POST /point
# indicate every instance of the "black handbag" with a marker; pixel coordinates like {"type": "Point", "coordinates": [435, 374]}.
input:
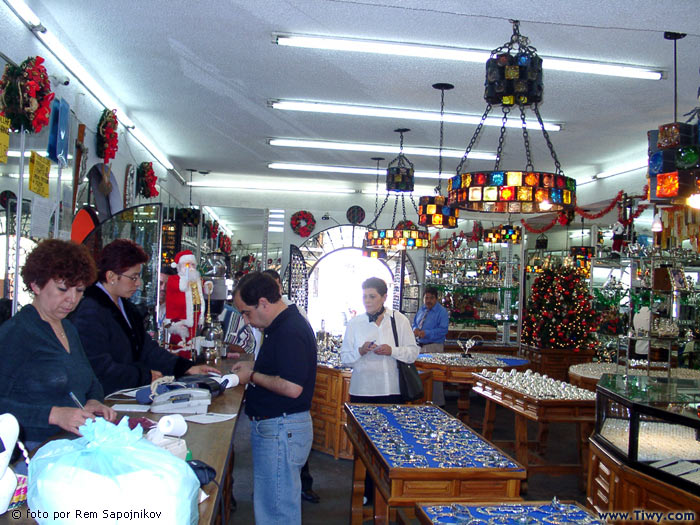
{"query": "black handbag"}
{"type": "Point", "coordinates": [409, 381]}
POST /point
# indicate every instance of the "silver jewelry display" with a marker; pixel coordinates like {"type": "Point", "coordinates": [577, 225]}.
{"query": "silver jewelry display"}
{"type": "Point", "coordinates": [538, 386]}
{"type": "Point", "coordinates": [423, 436]}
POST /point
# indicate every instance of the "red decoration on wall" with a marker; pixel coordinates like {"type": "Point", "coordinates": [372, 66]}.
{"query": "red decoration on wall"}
{"type": "Point", "coordinates": [107, 136]}
{"type": "Point", "coordinates": [302, 223]}
{"type": "Point", "coordinates": [25, 95]}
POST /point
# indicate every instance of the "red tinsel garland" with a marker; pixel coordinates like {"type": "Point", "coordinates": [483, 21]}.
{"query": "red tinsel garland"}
{"type": "Point", "coordinates": [630, 219]}
{"type": "Point", "coordinates": [539, 230]}
{"type": "Point", "coordinates": [604, 211]}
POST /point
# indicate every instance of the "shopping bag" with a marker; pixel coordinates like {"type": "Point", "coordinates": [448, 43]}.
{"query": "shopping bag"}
{"type": "Point", "coordinates": [111, 475]}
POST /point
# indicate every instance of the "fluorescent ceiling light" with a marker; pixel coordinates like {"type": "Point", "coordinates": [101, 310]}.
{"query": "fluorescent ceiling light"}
{"type": "Point", "coordinates": [275, 229]}
{"type": "Point", "coordinates": [276, 223]}
{"type": "Point", "coordinates": [270, 188]}
{"type": "Point", "coordinates": [622, 169]}
{"type": "Point", "coordinates": [28, 153]}
{"type": "Point", "coordinates": [277, 211]}
{"type": "Point", "coordinates": [348, 170]}
{"type": "Point", "coordinates": [618, 170]}
{"type": "Point", "coordinates": [459, 54]}
{"type": "Point", "coordinates": [54, 45]}
{"type": "Point", "coordinates": [378, 148]}
{"type": "Point", "coordinates": [396, 113]}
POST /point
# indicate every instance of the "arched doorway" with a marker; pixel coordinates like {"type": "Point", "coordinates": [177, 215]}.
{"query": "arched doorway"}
{"type": "Point", "coordinates": [335, 287]}
{"type": "Point", "coordinates": [335, 269]}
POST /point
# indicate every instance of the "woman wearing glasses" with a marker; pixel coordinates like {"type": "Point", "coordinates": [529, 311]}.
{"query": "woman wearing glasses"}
{"type": "Point", "coordinates": [112, 330]}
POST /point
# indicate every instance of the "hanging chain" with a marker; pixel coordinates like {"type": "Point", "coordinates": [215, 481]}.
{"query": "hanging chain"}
{"type": "Point", "coordinates": [526, 139]}
{"type": "Point", "coordinates": [479, 127]}
{"type": "Point", "coordinates": [376, 216]}
{"type": "Point", "coordinates": [393, 216]}
{"type": "Point", "coordinates": [376, 189]}
{"type": "Point", "coordinates": [414, 204]}
{"type": "Point", "coordinates": [501, 137]}
{"type": "Point", "coordinates": [403, 206]}
{"type": "Point", "coordinates": [557, 165]}
{"type": "Point", "coordinates": [438, 188]}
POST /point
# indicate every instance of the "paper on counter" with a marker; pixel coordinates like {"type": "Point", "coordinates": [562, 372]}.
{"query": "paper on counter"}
{"type": "Point", "coordinates": [209, 417]}
{"type": "Point", "coordinates": [131, 408]}
{"type": "Point", "coordinates": [231, 378]}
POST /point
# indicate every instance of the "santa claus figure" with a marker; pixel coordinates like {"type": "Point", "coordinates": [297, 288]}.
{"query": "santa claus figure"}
{"type": "Point", "coordinates": [184, 298]}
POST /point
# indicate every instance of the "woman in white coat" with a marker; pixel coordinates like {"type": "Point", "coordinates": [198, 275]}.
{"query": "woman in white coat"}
{"type": "Point", "coordinates": [370, 348]}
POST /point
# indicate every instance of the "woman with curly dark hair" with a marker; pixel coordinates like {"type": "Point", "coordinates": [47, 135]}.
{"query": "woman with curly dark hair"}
{"type": "Point", "coordinates": [43, 369]}
{"type": "Point", "coordinates": [112, 330]}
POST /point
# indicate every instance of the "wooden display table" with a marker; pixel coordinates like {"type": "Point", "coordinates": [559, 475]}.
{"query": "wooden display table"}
{"type": "Point", "coordinates": [543, 411]}
{"type": "Point", "coordinates": [614, 486]}
{"type": "Point", "coordinates": [587, 375]}
{"type": "Point", "coordinates": [421, 453]}
{"type": "Point", "coordinates": [453, 368]}
{"type": "Point", "coordinates": [211, 443]}
{"type": "Point", "coordinates": [565, 512]}
{"type": "Point", "coordinates": [555, 362]}
{"type": "Point", "coordinates": [331, 393]}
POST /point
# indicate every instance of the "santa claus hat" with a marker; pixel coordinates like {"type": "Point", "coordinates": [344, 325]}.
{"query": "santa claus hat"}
{"type": "Point", "coordinates": [183, 256]}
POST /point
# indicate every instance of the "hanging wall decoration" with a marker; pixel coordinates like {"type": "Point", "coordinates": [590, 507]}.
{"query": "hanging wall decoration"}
{"type": "Point", "coordinates": [107, 135]}
{"type": "Point", "coordinates": [355, 214]}
{"type": "Point", "coordinates": [302, 223]}
{"type": "Point", "coordinates": [513, 78]}
{"type": "Point", "coordinates": [25, 95]}
{"type": "Point", "coordinates": [147, 180]}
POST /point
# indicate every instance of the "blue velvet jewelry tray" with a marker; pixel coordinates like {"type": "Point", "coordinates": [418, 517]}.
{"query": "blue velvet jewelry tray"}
{"type": "Point", "coordinates": [423, 436]}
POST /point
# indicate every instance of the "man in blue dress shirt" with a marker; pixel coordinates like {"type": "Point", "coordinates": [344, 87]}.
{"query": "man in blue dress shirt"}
{"type": "Point", "coordinates": [430, 328]}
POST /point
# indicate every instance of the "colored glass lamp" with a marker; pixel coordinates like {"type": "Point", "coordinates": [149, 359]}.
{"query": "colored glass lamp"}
{"type": "Point", "coordinates": [399, 172]}
{"type": "Point", "coordinates": [433, 211]}
{"type": "Point", "coordinates": [503, 234]}
{"type": "Point", "coordinates": [405, 235]}
{"type": "Point", "coordinates": [513, 78]}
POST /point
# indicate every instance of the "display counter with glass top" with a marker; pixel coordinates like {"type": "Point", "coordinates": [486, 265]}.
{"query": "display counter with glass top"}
{"type": "Point", "coordinates": [647, 435]}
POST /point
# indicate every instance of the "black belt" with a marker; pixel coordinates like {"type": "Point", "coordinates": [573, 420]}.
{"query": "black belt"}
{"type": "Point", "coordinates": [263, 418]}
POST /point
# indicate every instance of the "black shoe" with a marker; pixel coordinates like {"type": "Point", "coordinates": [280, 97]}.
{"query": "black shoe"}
{"type": "Point", "coordinates": [310, 495]}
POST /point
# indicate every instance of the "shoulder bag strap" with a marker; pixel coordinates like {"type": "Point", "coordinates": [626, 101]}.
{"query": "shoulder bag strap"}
{"type": "Point", "coordinates": [393, 327]}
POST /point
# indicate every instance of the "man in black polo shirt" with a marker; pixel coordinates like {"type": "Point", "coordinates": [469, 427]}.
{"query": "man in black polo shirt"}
{"type": "Point", "coordinates": [278, 401]}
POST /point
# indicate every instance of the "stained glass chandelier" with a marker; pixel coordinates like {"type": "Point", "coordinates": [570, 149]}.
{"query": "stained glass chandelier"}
{"type": "Point", "coordinates": [404, 235]}
{"type": "Point", "coordinates": [433, 211]}
{"type": "Point", "coordinates": [513, 79]}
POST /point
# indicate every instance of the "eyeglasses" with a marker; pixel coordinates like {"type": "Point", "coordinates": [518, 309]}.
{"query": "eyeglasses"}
{"type": "Point", "coordinates": [134, 278]}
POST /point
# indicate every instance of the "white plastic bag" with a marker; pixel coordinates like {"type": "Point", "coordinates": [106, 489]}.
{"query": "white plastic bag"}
{"type": "Point", "coordinates": [110, 475]}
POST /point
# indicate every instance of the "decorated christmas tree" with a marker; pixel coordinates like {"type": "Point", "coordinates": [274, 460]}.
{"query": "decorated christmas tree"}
{"type": "Point", "coordinates": [560, 311]}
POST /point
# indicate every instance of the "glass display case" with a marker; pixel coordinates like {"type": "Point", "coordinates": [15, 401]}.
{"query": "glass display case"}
{"type": "Point", "coordinates": [652, 425]}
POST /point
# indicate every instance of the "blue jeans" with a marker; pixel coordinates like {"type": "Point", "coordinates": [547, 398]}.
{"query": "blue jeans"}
{"type": "Point", "coordinates": [280, 448]}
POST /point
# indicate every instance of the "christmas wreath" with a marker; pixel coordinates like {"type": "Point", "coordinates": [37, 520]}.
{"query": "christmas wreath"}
{"type": "Point", "coordinates": [107, 136]}
{"type": "Point", "coordinates": [25, 95]}
{"type": "Point", "coordinates": [302, 223]}
{"type": "Point", "coordinates": [146, 180]}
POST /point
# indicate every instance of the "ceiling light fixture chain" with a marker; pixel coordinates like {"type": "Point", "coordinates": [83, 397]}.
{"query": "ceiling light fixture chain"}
{"type": "Point", "coordinates": [526, 140]}
{"type": "Point", "coordinates": [501, 137]}
{"type": "Point", "coordinates": [442, 86]}
{"type": "Point", "coordinates": [473, 140]}
{"type": "Point", "coordinates": [376, 190]}
{"type": "Point", "coordinates": [557, 164]}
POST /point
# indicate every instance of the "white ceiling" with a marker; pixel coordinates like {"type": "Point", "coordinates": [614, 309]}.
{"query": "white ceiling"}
{"type": "Point", "coordinates": [197, 76]}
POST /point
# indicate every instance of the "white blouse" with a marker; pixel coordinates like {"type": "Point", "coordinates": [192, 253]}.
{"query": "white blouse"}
{"type": "Point", "coordinates": [377, 375]}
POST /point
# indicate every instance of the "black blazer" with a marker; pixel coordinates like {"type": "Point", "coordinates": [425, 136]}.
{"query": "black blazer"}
{"type": "Point", "coordinates": [122, 356]}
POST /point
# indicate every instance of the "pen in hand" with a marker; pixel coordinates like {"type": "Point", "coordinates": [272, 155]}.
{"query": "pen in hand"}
{"type": "Point", "coordinates": [76, 401]}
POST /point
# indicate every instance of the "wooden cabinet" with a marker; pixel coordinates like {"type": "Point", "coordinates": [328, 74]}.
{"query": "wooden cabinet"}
{"type": "Point", "coordinates": [613, 486]}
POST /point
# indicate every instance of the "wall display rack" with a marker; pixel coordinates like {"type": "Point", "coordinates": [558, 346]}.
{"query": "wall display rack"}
{"type": "Point", "coordinates": [479, 285]}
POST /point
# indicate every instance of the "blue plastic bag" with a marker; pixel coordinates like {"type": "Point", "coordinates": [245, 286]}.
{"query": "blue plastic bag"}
{"type": "Point", "coordinates": [110, 475]}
